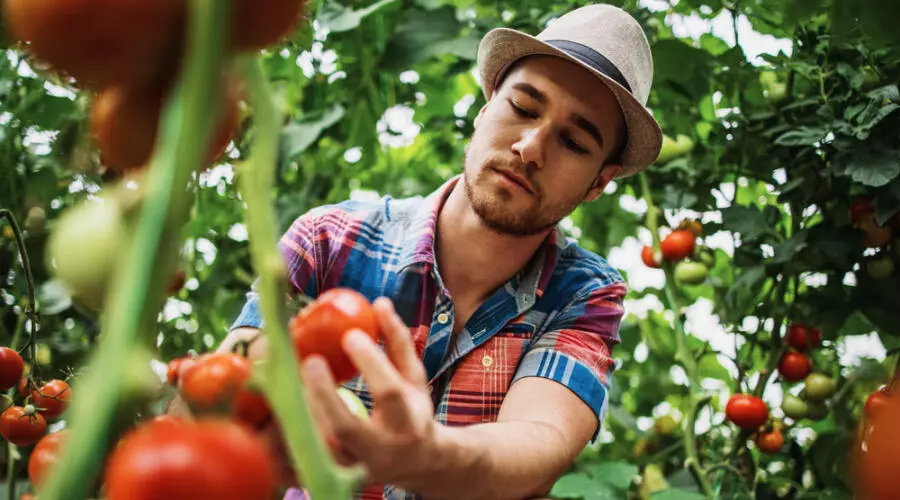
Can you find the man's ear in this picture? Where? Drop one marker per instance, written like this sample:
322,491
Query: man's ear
483,109
606,174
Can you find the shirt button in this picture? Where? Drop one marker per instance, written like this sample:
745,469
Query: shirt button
487,361
443,318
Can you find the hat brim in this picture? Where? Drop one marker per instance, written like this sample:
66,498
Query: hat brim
501,47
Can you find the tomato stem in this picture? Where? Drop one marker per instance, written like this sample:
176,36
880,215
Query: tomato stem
308,451
137,289
31,310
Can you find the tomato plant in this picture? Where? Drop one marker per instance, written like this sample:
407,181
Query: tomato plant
747,411
52,398
794,366
678,245
818,387
794,407
690,273
22,426
213,381
770,442
44,456
649,258
802,337
319,328
11,368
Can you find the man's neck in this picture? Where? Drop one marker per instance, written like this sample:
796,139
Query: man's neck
474,260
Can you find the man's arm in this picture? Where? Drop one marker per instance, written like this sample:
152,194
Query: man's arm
541,428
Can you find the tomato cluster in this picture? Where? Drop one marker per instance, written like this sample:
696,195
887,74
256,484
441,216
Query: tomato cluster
884,238
23,425
693,261
796,365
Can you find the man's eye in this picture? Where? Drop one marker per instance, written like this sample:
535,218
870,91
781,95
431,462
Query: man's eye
574,146
524,113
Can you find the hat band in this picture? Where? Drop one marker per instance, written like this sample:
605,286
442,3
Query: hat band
592,58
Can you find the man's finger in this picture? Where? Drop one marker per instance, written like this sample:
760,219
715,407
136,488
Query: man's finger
398,342
376,369
328,404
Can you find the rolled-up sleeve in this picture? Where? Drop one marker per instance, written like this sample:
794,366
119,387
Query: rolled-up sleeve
303,247
576,350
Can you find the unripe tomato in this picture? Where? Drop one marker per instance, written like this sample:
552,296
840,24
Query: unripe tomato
817,410
876,402
770,442
705,256
100,42
257,25
794,366
35,220
22,426
354,404
794,407
747,411
209,459
678,245
44,457
880,267
819,387
319,328
665,425
11,368
690,273
53,398
802,337
124,123
211,382
673,148
84,248
649,257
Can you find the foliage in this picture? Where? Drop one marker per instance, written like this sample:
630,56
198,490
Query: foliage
783,145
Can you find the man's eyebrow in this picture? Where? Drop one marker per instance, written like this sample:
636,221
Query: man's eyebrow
533,92
588,127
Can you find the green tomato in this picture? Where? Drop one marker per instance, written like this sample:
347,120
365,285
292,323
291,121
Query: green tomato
84,247
794,407
817,410
354,404
705,256
880,267
818,387
690,273
673,148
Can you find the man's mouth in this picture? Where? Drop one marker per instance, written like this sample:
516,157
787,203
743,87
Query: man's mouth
515,179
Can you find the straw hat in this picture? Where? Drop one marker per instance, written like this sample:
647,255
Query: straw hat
603,39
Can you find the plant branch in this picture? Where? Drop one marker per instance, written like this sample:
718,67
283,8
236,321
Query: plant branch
136,292
31,309
284,388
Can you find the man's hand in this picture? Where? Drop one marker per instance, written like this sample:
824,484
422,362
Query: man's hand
394,443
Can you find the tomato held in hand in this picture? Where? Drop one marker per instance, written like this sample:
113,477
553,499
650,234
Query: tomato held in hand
770,442
650,259
794,366
44,457
258,24
251,408
876,402
53,398
678,245
801,337
22,426
100,42
211,382
319,328
747,411
209,459
11,368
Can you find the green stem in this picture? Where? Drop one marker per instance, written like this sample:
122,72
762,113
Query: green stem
137,288
10,470
311,457
692,457
31,309
776,344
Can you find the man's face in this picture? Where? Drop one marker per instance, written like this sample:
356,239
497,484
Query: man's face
539,145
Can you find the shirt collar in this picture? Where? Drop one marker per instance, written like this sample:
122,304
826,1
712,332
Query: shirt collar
418,245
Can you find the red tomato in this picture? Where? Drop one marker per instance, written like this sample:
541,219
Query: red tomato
53,398
876,460
23,387
319,328
22,426
747,411
860,207
802,337
210,459
251,408
770,442
257,25
648,258
794,366
11,368
172,371
178,279
678,245
44,456
211,382
100,42
166,419
876,402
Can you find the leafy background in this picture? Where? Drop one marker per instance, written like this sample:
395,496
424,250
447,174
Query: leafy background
790,105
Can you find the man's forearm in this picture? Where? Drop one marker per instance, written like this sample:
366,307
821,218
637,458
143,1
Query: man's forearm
506,460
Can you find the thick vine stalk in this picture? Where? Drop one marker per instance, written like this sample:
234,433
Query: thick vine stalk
310,456
136,291
683,354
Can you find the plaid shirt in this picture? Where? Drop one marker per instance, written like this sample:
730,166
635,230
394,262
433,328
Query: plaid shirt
557,319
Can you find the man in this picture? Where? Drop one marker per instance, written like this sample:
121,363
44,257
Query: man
498,331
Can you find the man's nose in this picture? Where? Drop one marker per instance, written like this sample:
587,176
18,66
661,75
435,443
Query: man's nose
530,146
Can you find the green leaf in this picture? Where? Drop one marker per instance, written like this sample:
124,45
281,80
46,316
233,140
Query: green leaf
873,167
676,495
297,136
573,485
47,112
787,250
618,475
337,18
746,220
856,324
803,136
425,34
